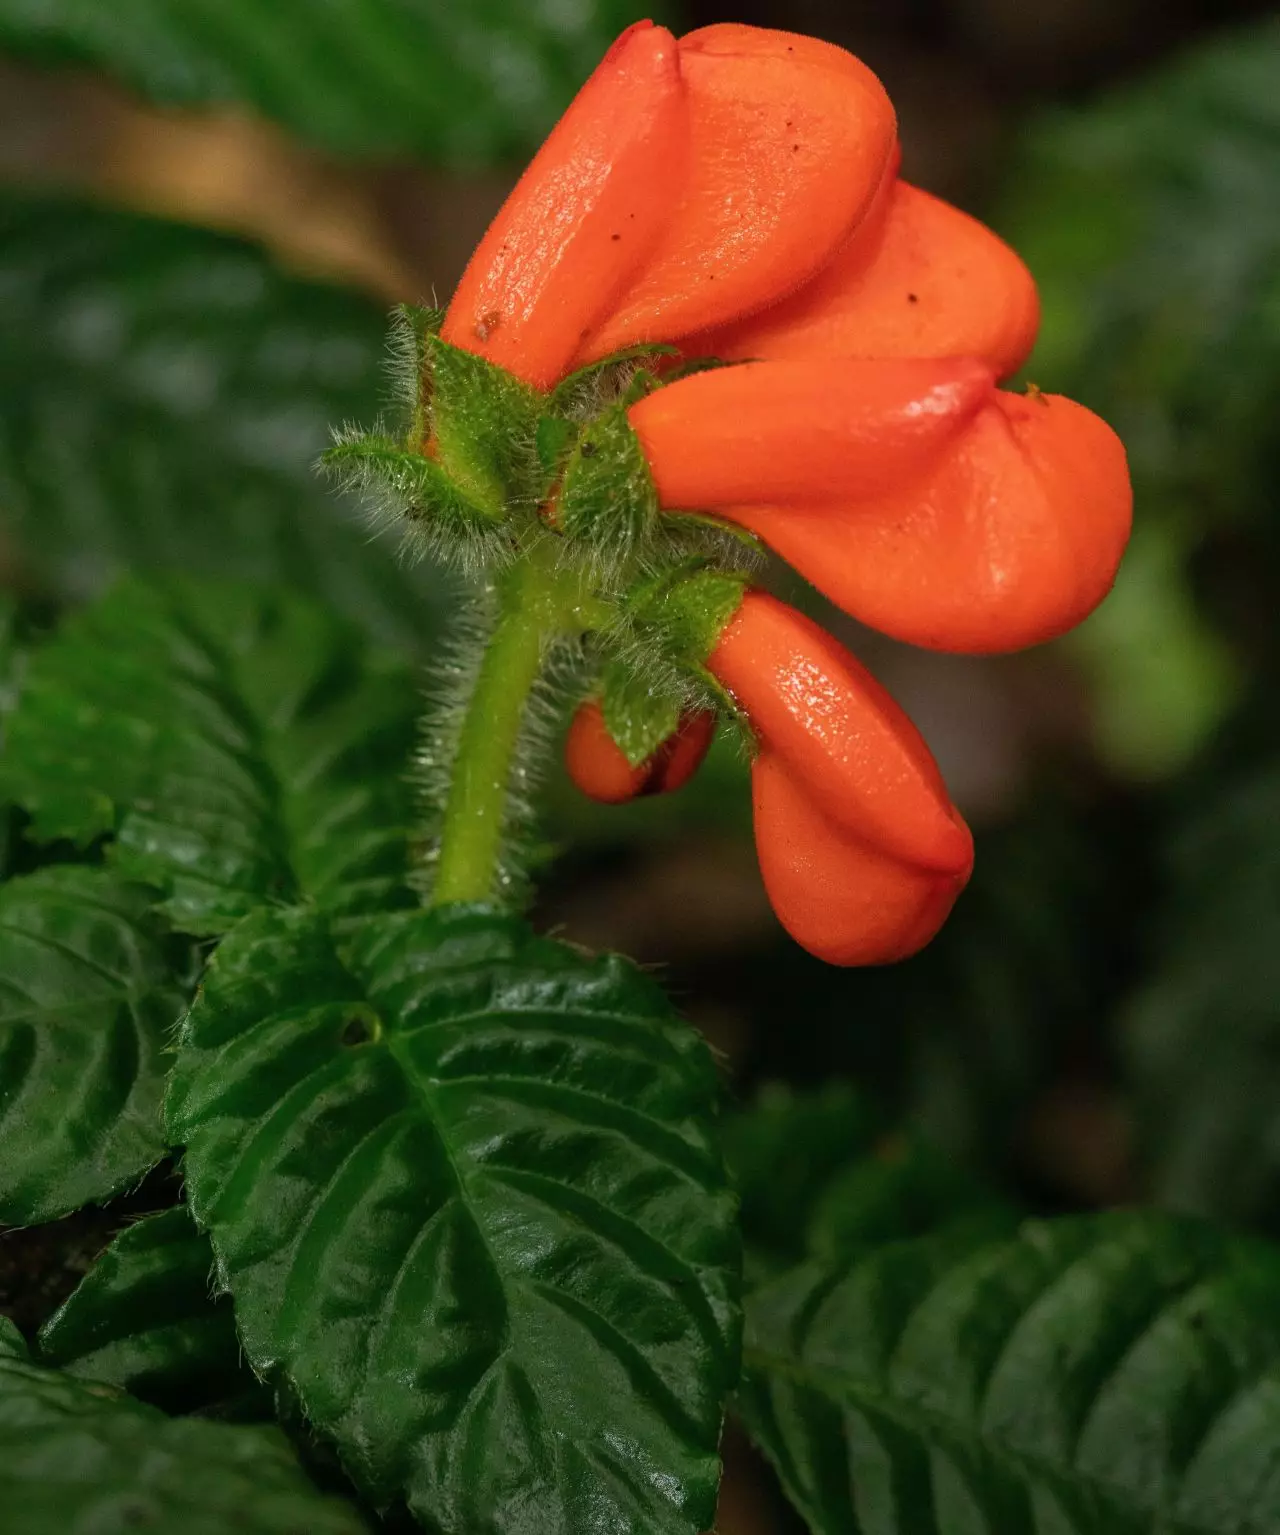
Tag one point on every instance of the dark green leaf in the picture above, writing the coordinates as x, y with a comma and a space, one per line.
241, 745
463, 1185
163, 396
1109, 1375
459, 82
87, 1001
79, 1457
1202, 1034
144, 1318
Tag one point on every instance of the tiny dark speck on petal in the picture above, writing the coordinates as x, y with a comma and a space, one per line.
615, 237
913, 298
794, 147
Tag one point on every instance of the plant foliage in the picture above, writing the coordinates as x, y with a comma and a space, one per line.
1108, 1375
462, 1185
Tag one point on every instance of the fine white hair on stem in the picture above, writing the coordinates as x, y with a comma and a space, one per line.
448, 696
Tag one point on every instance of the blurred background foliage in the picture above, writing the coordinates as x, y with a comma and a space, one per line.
205, 212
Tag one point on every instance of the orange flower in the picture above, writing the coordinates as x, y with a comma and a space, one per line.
735, 194
916, 495
598, 767
861, 850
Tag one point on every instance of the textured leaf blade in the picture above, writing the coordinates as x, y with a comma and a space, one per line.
164, 394
88, 998
1107, 1375
144, 1319
480, 81
463, 1187
79, 1456
240, 746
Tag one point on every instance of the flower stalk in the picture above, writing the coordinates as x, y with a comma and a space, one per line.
540, 603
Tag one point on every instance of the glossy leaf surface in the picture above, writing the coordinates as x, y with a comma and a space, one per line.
1109, 1375
463, 1186
88, 998
144, 1318
78, 1457
164, 393
240, 746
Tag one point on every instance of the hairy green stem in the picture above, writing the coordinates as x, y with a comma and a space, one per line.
538, 604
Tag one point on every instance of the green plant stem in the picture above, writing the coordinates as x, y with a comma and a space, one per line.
538, 603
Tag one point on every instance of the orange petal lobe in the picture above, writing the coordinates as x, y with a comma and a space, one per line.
795, 431
582, 219
680, 757
1011, 539
789, 139
843, 739
597, 766
595, 761
932, 283
840, 898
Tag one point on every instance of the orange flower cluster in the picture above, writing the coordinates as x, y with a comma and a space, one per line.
735, 193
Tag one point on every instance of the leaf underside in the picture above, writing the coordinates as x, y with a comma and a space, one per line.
463, 1185
77, 1456
1106, 1375
87, 1004
240, 747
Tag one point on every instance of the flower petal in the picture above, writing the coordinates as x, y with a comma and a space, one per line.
1010, 540
790, 138
598, 767
838, 897
843, 739
933, 283
791, 432
583, 217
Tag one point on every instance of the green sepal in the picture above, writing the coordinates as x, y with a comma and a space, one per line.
639, 713
583, 393
483, 423
554, 442
421, 321
686, 609
412, 326
417, 487
607, 492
